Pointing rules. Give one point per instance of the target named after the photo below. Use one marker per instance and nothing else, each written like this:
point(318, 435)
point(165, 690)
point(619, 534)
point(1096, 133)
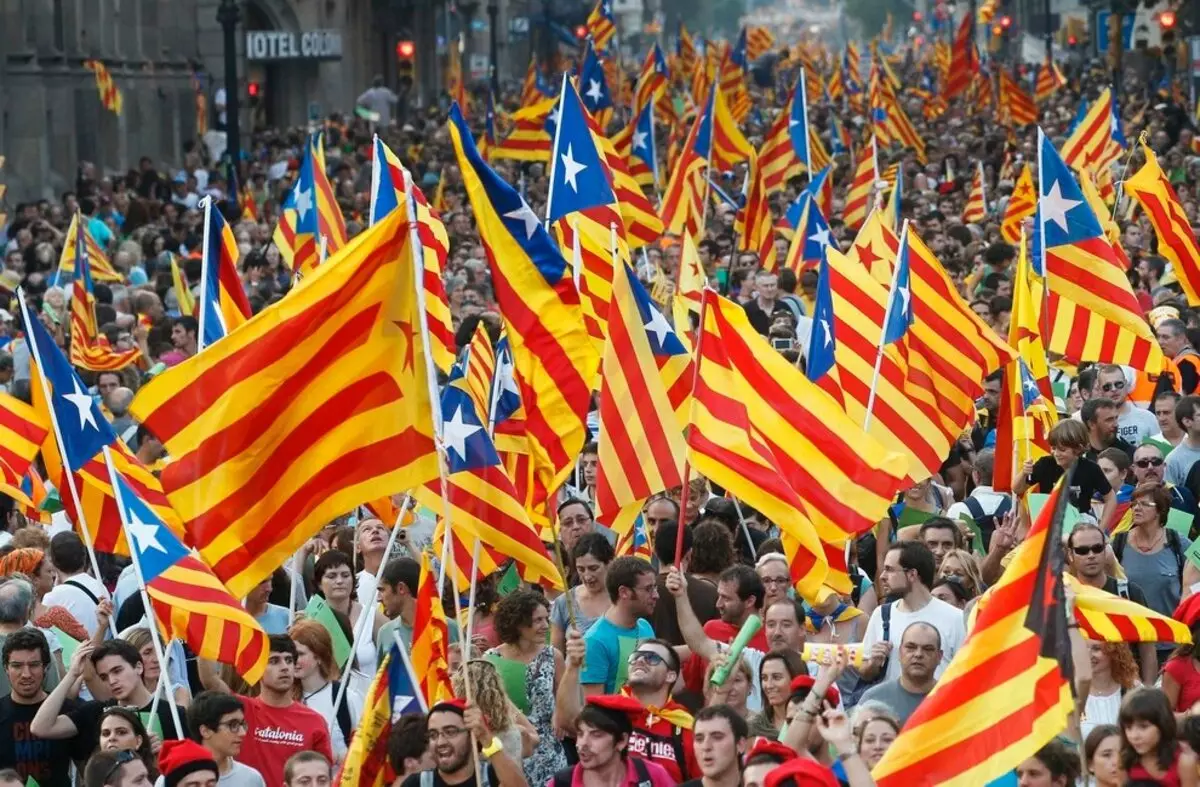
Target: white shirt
point(947, 619)
point(1136, 424)
point(77, 602)
point(1100, 710)
point(989, 501)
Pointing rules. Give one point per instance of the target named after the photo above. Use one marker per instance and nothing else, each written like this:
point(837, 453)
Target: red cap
point(178, 759)
point(617, 702)
point(771, 748)
point(1188, 611)
point(801, 772)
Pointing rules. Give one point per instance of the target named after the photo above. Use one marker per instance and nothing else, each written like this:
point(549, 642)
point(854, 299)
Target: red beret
point(805, 683)
point(178, 759)
point(617, 702)
point(801, 772)
point(454, 705)
point(770, 748)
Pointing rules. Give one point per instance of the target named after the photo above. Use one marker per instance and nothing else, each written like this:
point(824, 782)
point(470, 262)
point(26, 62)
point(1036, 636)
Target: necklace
point(1146, 547)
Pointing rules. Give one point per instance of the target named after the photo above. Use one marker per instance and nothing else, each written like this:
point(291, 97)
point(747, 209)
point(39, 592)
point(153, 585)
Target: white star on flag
point(456, 432)
point(821, 236)
point(639, 140)
point(594, 92)
point(145, 534)
point(1055, 206)
point(525, 214)
point(828, 333)
point(904, 296)
point(658, 326)
point(571, 168)
point(303, 203)
point(83, 403)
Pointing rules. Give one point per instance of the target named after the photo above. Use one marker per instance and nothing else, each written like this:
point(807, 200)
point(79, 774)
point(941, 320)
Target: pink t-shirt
point(658, 775)
point(1183, 671)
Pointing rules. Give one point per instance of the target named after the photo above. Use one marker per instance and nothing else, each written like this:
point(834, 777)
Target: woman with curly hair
point(529, 670)
point(502, 717)
point(1114, 674)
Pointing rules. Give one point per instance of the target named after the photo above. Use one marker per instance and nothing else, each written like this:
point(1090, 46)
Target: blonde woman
point(961, 564)
point(487, 693)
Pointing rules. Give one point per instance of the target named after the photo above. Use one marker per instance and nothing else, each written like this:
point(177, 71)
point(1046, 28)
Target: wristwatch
point(492, 748)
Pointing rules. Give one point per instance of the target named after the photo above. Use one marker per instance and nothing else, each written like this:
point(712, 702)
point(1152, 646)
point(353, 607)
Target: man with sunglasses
point(1086, 558)
point(663, 733)
point(1134, 424)
point(1149, 466)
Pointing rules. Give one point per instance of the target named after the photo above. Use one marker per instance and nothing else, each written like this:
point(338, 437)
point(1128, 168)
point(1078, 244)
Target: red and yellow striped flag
point(1015, 103)
point(1176, 240)
point(110, 94)
point(759, 41)
point(862, 187)
point(1108, 618)
point(431, 639)
point(1007, 691)
point(1021, 206)
point(22, 432)
point(767, 434)
point(102, 269)
point(964, 59)
point(975, 210)
point(316, 405)
point(752, 224)
point(1095, 142)
point(1049, 80)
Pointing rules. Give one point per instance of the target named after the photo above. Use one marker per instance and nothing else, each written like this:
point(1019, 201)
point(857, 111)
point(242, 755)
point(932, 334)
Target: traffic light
point(406, 50)
point(1166, 20)
point(1006, 21)
point(253, 90)
point(581, 32)
point(917, 17)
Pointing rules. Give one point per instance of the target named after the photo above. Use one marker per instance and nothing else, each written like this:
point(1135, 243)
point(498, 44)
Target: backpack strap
point(343, 715)
point(1123, 588)
point(79, 585)
point(1118, 544)
point(562, 778)
point(885, 616)
point(1176, 547)
point(643, 773)
point(975, 508)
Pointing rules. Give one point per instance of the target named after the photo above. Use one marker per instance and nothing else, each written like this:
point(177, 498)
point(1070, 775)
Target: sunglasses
point(651, 658)
point(1144, 463)
point(1094, 549)
point(123, 758)
point(1112, 386)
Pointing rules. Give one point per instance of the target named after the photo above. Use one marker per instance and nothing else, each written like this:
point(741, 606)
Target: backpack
point(1173, 543)
point(987, 522)
point(563, 778)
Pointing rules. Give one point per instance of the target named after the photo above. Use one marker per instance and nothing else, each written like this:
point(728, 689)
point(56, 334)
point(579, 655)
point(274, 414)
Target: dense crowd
point(612, 682)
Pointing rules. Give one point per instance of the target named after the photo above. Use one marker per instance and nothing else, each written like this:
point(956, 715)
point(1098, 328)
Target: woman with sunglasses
point(121, 729)
point(116, 769)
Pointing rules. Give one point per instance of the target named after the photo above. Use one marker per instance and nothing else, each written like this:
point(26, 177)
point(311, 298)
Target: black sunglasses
point(1112, 386)
point(1144, 463)
point(1094, 549)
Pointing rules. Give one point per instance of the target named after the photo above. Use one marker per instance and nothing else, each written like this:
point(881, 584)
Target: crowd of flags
point(328, 399)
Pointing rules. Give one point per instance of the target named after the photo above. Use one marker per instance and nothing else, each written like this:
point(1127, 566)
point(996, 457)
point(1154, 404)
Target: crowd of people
point(627, 677)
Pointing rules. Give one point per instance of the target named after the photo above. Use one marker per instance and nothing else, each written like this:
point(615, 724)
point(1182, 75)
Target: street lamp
point(493, 11)
point(228, 15)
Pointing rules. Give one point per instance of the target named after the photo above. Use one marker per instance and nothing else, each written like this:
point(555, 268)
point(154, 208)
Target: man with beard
point(602, 739)
point(633, 589)
point(720, 736)
point(906, 576)
point(662, 731)
point(450, 726)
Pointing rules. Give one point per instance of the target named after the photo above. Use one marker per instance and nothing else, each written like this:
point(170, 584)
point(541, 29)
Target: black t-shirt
point(1087, 482)
point(438, 781)
point(47, 761)
point(1117, 442)
point(87, 715)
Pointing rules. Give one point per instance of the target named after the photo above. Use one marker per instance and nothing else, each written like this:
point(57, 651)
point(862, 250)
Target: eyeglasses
point(649, 657)
point(123, 758)
point(1112, 386)
point(775, 580)
point(448, 734)
point(1153, 462)
point(237, 725)
point(1094, 549)
point(1144, 503)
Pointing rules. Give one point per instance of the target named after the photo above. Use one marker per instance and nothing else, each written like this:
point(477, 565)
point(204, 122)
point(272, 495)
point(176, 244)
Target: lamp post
point(493, 11)
point(228, 15)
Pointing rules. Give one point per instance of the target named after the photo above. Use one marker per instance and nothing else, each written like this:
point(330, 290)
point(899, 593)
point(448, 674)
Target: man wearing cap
point(764, 756)
point(662, 732)
point(454, 730)
point(186, 764)
point(920, 654)
point(602, 740)
point(720, 742)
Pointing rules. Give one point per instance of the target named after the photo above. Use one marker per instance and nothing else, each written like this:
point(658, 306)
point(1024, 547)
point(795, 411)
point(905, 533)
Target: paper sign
point(319, 610)
point(1037, 502)
point(69, 645)
point(1180, 522)
point(151, 722)
point(1193, 554)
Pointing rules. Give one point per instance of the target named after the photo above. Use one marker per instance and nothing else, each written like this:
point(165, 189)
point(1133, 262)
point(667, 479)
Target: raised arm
point(689, 625)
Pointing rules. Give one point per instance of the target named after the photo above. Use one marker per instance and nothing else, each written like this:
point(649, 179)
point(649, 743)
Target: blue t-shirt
point(608, 649)
point(274, 619)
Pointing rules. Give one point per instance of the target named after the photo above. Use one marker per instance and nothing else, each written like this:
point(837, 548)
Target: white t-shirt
point(1136, 424)
point(947, 619)
point(1100, 710)
point(81, 606)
